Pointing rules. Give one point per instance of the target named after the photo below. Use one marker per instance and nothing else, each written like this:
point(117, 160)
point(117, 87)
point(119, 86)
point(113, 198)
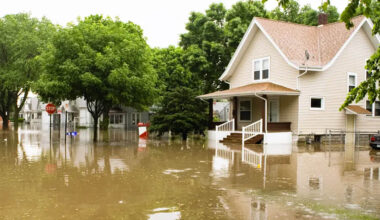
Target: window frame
point(322, 103)
point(261, 69)
point(348, 80)
point(116, 117)
point(250, 111)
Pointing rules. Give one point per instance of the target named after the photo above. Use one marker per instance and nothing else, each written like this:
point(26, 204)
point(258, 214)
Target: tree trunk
point(184, 136)
point(95, 128)
point(15, 119)
point(5, 121)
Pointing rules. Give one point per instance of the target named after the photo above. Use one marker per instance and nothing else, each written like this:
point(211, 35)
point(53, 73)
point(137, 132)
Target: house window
point(317, 103)
point(136, 118)
point(374, 108)
point(351, 81)
point(245, 110)
point(116, 119)
point(261, 69)
point(377, 108)
point(369, 106)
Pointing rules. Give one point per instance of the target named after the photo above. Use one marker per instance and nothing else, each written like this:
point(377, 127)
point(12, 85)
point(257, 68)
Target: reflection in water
point(124, 177)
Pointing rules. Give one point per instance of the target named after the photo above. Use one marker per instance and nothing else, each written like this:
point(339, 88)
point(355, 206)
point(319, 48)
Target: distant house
point(295, 77)
point(120, 117)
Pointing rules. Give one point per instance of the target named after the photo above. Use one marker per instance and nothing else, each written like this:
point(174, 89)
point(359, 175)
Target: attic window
point(261, 69)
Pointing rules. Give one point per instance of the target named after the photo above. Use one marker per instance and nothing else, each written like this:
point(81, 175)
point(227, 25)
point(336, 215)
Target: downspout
point(266, 111)
point(298, 119)
point(299, 77)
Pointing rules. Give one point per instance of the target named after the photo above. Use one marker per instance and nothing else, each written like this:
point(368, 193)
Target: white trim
point(322, 103)
point(250, 102)
point(255, 23)
point(348, 80)
point(261, 69)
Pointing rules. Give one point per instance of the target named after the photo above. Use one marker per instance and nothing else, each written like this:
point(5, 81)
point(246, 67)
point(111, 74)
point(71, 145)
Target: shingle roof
point(251, 89)
point(322, 42)
point(356, 109)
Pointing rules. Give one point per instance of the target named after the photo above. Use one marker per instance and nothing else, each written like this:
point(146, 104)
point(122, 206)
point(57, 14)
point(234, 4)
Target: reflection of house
point(295, 77)
point(120, 117)
point(321, 178)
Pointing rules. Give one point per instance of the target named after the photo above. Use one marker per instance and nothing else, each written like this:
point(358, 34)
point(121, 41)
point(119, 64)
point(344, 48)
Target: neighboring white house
point(296, 77)
point(120, 117)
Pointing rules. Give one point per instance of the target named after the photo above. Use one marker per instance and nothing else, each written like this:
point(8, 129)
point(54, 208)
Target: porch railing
point(225, 129)
point(252, 130)
point(253, 158)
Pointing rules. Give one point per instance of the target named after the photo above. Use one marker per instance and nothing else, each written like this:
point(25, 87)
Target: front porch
point(272, 107)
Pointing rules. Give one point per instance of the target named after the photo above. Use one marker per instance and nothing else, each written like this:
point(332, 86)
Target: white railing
point(252, 158)
point(227, 126)
point(225, 129)
point(252, 130)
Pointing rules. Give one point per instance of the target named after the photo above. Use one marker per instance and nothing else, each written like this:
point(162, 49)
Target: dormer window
point(261, 69)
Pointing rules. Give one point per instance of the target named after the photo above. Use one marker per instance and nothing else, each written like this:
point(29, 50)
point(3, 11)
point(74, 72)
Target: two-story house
point(295, 77)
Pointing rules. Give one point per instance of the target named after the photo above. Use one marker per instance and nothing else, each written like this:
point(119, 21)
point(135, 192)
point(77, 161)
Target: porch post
point(210, 114)
point(234, 111)
point(263, 112)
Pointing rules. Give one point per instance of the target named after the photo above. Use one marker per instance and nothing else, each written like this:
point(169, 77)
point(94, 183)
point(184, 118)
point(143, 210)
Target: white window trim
point(250, 101)
point(261, 70)
point(322, 103)
point(348, 80)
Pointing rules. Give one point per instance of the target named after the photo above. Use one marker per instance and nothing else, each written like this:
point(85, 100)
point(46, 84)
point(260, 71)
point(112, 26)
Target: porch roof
point(264, 88)
point(357, 110)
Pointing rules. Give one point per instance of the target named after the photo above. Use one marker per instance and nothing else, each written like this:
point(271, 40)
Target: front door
point(274, 109)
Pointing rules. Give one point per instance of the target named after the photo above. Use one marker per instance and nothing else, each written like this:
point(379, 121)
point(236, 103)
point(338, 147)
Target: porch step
point(236, 138)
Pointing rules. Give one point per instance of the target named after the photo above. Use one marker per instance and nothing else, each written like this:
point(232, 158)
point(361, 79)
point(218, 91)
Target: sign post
point(50, 109)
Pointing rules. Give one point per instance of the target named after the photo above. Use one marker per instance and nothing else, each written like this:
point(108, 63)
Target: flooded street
point(122, 177)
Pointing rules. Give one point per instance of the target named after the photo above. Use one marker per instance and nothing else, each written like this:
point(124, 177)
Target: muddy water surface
point(122, 177)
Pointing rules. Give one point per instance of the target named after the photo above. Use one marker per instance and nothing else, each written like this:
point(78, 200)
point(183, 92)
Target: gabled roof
point(324, 43)
point(263, 88)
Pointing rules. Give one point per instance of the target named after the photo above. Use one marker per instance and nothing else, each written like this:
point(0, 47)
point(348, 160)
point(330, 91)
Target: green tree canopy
point(105, 61)
point(178, 111)
point(22, 40)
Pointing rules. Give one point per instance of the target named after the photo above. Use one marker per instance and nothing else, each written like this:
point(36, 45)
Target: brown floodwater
point(122, 177)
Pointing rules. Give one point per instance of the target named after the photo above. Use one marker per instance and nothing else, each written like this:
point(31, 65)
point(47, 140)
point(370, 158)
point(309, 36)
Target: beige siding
point(332, 85)
point(289, 111)
point(260, 47)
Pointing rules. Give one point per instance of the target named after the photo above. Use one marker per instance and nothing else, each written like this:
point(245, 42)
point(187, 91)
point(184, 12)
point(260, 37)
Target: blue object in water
point(73, 133)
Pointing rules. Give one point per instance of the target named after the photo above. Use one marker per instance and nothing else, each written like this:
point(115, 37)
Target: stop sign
point(50, 108)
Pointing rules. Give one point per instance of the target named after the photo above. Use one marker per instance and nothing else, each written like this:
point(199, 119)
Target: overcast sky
point(162, 20)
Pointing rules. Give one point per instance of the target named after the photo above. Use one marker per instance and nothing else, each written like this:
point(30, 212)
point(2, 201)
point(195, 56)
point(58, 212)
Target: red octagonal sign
point(50, 108)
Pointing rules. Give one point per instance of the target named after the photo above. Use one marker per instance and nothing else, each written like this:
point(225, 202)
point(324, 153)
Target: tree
point(179, 111)
point(105, 61)
point(291, 12)
point(212, 38)
point(22, 40)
